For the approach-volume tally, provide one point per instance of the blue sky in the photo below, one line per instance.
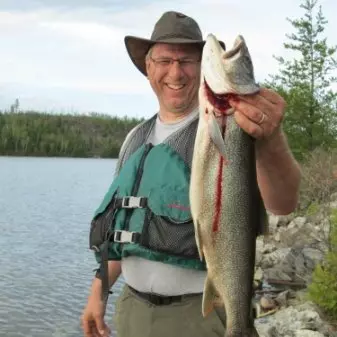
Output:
(69, 55)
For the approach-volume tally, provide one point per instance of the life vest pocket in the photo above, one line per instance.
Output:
(101, 225)
(168, 225)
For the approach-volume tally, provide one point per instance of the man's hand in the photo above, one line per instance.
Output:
(260, 115)
(93, 324)
(92, 319)
(278, 173)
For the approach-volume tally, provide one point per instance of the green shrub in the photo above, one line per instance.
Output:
(323, 289)
(313, 209)
(318, 178)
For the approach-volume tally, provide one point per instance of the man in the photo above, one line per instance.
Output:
(151, 245)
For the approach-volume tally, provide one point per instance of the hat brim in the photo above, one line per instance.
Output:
(137, 48)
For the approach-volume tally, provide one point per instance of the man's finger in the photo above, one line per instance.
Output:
(95, 332)
(272, 96)
(249, 110)
(247, 125)
(87, 328)
(261, 112)
(102, 328)
(259, 102)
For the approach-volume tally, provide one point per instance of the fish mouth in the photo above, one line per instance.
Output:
(220, 102)
(235, 50)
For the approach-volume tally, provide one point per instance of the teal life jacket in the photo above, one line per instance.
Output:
(146, 210)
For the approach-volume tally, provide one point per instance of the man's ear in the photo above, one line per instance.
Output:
(147, 66)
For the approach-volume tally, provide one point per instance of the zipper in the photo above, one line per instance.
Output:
(136, 184)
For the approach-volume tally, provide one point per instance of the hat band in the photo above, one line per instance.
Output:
(179, 36)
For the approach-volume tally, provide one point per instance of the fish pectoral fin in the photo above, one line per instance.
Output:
(215, 134)
(209, 298)
(198, 239)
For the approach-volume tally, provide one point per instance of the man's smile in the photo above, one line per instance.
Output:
(175, 87)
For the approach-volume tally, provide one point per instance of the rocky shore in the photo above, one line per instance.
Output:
(285, 261)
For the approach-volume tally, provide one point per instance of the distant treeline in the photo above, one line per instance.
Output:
(41, 134)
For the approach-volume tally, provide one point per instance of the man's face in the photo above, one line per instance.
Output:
(175, 84)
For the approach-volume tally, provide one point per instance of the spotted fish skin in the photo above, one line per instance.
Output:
(226, 204)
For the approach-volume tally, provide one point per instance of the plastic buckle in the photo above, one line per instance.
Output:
(131, 202)
(123, 236)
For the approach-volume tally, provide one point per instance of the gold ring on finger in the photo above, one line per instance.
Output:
(261, 119)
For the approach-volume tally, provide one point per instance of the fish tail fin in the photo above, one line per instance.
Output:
(209, 297)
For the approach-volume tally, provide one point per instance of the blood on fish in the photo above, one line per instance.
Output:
(220, 102)
(218, 194)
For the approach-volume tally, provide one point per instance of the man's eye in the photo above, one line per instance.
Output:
(164, 62)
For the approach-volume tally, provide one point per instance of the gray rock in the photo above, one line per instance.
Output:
(296, 245)
(333, 196)
(267, 302)
(333, 204)
(312, 257)
(274, 221)
(266, 330)
(308, 333)
(303, 236)
(278, 274)
(275, 257)
(282, 298)
(324, 229)
(291, 321)
(298, 222)
(259, 250)
(277, 237)
(263, 248)
(291, 264)
(268, 248)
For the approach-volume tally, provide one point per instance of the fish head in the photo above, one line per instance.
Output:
(228, 72)
(224, 74)
(212, 78)
(212, 66)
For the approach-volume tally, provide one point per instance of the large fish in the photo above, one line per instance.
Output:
(226, 204)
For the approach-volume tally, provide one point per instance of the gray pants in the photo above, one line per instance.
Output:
(136, 317)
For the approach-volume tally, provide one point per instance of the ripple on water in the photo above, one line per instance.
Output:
(46, 267)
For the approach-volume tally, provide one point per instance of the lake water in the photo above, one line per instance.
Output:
(46, 267)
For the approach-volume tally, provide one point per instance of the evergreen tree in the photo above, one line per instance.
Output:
(305, 83)
(29, 133)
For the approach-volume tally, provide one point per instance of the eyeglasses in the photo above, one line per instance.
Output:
(166, 62)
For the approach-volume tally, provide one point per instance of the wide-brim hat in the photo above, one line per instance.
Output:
(172, 27)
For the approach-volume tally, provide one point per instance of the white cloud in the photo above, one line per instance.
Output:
(82, 48)
(89, 31)
(49, 50)
(16, 22)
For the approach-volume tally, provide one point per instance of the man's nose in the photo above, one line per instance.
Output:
(176, 70)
